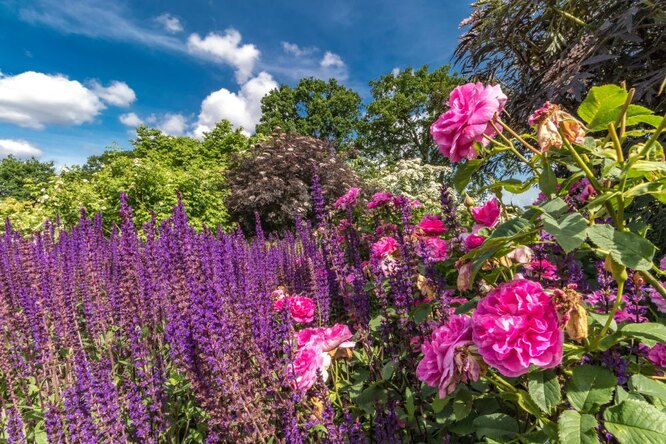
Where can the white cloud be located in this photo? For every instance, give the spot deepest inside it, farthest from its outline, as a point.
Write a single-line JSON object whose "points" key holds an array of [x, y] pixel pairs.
{"points": [[130, 119], [117, 93], [170, 22], [173, 124], [332, 60], [242, 108], [33, 100], [294, 49], [395, 71], [226, 49], [18, 148]]}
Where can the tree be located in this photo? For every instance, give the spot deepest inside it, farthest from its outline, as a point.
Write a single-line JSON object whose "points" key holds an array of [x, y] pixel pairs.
{"points": [[555, 50], [325, 110], [403, 106], [21, 179], [274, 178]]}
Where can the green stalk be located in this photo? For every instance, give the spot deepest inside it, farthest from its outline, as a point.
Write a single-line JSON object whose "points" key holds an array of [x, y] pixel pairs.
{"points": [[651, 141], [654, 282], [520, 139], [611, 315]]}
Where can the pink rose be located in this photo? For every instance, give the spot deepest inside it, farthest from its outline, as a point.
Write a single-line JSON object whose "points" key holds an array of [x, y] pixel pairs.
{"points": [[471, 109], [380, 199], [348, 200], [522, 255], [657, 355], [324, 339], [432, 225], [662, 263], [448, 358], [384, 247], [306, 367], [464, 281], [301, 308], [516, 325], [542, 269], [488, 214], [471, 241], [435, 249]]}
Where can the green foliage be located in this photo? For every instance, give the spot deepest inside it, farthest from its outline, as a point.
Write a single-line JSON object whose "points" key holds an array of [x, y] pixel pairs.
{"points": [[23, 179], [590, 387], [574, 428], [636, 422], [325, 110], [544, 389]]}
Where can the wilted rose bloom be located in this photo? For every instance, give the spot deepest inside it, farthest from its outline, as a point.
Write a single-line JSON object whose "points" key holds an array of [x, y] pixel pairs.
{"points": [[432, 225], [582, 190], [348, 200], [657, 355], [384, 247], [302, 308], [449, 358], [471, 241], [488, 214], [435, 249], [522, 255], [516, 325], [471, 109], [550, 120], [464, 281], [542, 269], [309, 362], [380, 199]]}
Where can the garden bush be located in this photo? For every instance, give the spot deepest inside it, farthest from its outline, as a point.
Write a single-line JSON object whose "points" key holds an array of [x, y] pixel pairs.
{"points": [[380, 323]]}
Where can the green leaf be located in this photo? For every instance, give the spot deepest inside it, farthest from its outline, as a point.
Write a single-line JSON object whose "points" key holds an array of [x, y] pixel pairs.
{"points": [[649, 333], [547, 180], [602, 106], [649, 168], [544, 389], [647, 386], [464, 173], [438, 404], [574, 428], [496, 426], [636, 422], [462, 405], [569, 231], [626, 248], [387, 370], [639, 114], [467, 306], [590, 387], [511, 228], [600, 319], [421, 312]]}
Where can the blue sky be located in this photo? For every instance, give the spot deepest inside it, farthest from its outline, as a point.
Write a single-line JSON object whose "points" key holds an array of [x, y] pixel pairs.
{"points": [[77, 76]]}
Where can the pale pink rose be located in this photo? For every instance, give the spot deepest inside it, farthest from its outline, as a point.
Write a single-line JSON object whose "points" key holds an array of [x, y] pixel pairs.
{"points": [[435, 249], [302, 308], [464, 281], [657, 355], [471, 241], [389, 266], [540, 114], [516, 325], [384, 247], [449, 358], [471, 109], [522, 255], [348, 200], [307, 365], [488, 214], [324, 339], [432, 225]]}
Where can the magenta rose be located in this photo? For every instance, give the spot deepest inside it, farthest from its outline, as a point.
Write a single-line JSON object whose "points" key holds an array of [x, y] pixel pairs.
{"points": [[448, 357], [380, 200], [302, 308], [309, 362], [471, 241], [384, 247], [348, 200], [435, 249], [471, 109], [516, 325], [488, 214], [542, 269], [324, 339], [662, 263], [432, 225], [657, 355]]}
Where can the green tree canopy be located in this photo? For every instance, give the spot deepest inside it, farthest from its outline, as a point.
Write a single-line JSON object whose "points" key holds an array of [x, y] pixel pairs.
{"points": [[20, 179], [326, 110]]}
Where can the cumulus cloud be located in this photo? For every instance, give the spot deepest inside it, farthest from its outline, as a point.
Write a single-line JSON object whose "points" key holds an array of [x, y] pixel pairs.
{"points": [[173, 124], [18, 148], [170, 22], [242, 108], [34, 100], [295, 50], [130, 119], [117, 93], [395, 71], [332, 60], [226, 48]]}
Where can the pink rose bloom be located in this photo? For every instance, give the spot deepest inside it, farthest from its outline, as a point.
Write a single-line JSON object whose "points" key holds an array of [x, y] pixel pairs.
{"points": [[542, 269], [488, 214], [662, 263], [435, 249], [324, 339], [657, 355], [348, 200], [582, 190], [432, 225], [657, 299], [471, 241], [380, 199], [384, 247], [540, 114], [516, 325], [306, 367], [447, 359], [471, 109], [301, 308]]}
